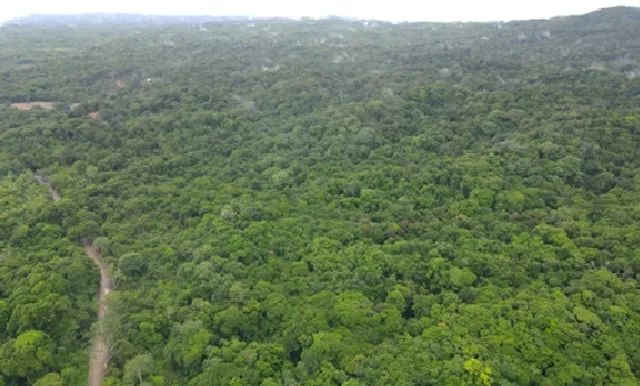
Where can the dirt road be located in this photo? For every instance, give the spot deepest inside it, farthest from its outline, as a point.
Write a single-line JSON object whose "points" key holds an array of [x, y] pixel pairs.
{"points": [[100, 351], [99, 359], [55, 196]]}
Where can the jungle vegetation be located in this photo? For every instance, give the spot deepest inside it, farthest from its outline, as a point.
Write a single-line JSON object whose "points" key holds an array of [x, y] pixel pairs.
{"points": [[324, 202]]}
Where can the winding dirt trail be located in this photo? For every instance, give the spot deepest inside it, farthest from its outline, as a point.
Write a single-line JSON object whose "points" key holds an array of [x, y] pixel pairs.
{"points": [[99, 359], [100, 350]]}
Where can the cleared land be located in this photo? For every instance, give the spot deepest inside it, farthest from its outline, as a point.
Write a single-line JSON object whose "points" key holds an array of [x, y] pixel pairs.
{"points": [[31, 105]]}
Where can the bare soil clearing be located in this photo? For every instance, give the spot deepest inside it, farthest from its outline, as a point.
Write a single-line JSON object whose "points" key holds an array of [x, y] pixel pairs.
{"points": [[31, 105], [99, 357], [26, 106]]}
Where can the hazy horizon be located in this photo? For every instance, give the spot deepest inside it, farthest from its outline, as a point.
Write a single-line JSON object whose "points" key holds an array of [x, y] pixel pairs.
{"points": [[400, 10]]}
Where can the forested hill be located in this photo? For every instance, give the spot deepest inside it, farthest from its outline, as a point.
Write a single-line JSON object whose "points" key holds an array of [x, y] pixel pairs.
{"points": [[323, 202], [120, 18]]}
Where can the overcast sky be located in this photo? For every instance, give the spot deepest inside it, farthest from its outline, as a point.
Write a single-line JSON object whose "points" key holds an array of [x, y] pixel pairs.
{"points": [[393, 10]]}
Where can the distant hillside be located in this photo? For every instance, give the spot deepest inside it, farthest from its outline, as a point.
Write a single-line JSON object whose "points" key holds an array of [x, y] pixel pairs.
{"points": [[597, 18], [121, 18], [613, 14]]}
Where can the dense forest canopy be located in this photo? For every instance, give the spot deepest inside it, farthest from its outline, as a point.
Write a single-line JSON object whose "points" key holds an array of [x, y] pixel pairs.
{"points": [[323, 202]]}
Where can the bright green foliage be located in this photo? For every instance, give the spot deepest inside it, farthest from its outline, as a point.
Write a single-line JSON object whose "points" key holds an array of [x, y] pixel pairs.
{"points": [[321, 202], [477, 374], [586, 316], [51, 379], [28, 356]]}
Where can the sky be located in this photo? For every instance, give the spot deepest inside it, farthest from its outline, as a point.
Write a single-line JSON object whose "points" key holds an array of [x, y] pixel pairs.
{"points": [[394, 10]]}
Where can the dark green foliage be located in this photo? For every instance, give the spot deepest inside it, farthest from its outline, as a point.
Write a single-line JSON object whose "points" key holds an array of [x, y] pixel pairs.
{"points": [[324, 203]]}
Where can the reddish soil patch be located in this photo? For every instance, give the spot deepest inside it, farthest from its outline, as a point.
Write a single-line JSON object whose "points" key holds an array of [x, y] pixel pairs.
{"points": [[29, 106], [94, 115]]}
